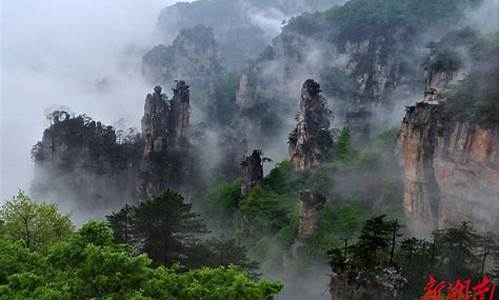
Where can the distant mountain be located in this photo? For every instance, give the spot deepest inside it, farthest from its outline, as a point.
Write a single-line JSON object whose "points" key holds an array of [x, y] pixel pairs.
{"points": [[242, 28]]}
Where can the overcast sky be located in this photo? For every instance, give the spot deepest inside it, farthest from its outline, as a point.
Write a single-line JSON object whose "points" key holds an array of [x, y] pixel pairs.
{"points": [[54, 52]]}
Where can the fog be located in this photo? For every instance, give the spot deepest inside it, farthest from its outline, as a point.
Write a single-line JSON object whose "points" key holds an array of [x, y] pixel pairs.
{"points": [[79, 55]]}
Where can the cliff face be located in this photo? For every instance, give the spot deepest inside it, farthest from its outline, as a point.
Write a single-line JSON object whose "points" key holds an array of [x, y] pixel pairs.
{"points": [[466, 167], [253, 172], [310, 207], [241, 27], [450, 170], [81, 164], [165, 122], [165, 130], [361, 74], [192, 55], [86, 165], [387, 285], [155, 122], [311, 138], [448, 148]]}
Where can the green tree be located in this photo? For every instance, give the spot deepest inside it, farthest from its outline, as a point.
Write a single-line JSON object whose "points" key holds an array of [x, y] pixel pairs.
{"points": [[343, 149], [164, 227], [457, 250], [374, 242], [416, 261], [122, 222], [221, 202], [35, 225], [89, 265], [221, 252]]}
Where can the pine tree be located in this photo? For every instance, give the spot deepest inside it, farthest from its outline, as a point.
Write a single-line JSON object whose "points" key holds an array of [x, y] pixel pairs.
{"points": [[374, 241], [457, 252], [121, 223], [166, 228]]}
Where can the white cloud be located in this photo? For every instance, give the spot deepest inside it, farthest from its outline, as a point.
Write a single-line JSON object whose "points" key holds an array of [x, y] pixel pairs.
{"points": [[54, 52]]}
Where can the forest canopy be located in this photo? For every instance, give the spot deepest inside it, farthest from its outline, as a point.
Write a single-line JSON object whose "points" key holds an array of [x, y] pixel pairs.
{"points": [[89, 264]]}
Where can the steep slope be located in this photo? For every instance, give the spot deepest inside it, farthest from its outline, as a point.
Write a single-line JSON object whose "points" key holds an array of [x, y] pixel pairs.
{"points": [[242, 28], [93, 168], [191, 56], [367, 56], [449, 143], [85, 165]]}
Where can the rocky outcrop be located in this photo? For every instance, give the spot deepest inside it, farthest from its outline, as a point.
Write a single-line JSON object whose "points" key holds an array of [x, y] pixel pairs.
{"points": [[466, 168], [165, 130], [82, 165], [253, 172], [310, 206], [192, 55], [363, 75], [450, 160], [165, 122], [387, 285], [94, 165], [416, 144], [311, 138], [451, 59], [242, 28], [155, 122], [450, 171], [245, 98], [180, 110]]}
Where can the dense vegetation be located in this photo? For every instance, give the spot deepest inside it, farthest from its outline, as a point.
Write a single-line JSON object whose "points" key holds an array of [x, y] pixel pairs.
{"points": [[454, 253], [85, 162], [160, 249], [267, 218], [89, 264], [359, 19], [165, 228]]}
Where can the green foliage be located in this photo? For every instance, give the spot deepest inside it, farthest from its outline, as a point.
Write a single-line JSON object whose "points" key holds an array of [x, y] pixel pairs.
{"points": [[222, 201], [283, 178], [167, 230], [388, 137], [389, 200], [88, 265], [165, 227], [335, 224], [358, 19], [447, 93], [456, 253], [342, 149], [216, 284], [475, 98], [96, 233], [223, 252], [15, 258], [265, 210], [35, 225], [373, 250], [268, 215], [122, 222]]}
